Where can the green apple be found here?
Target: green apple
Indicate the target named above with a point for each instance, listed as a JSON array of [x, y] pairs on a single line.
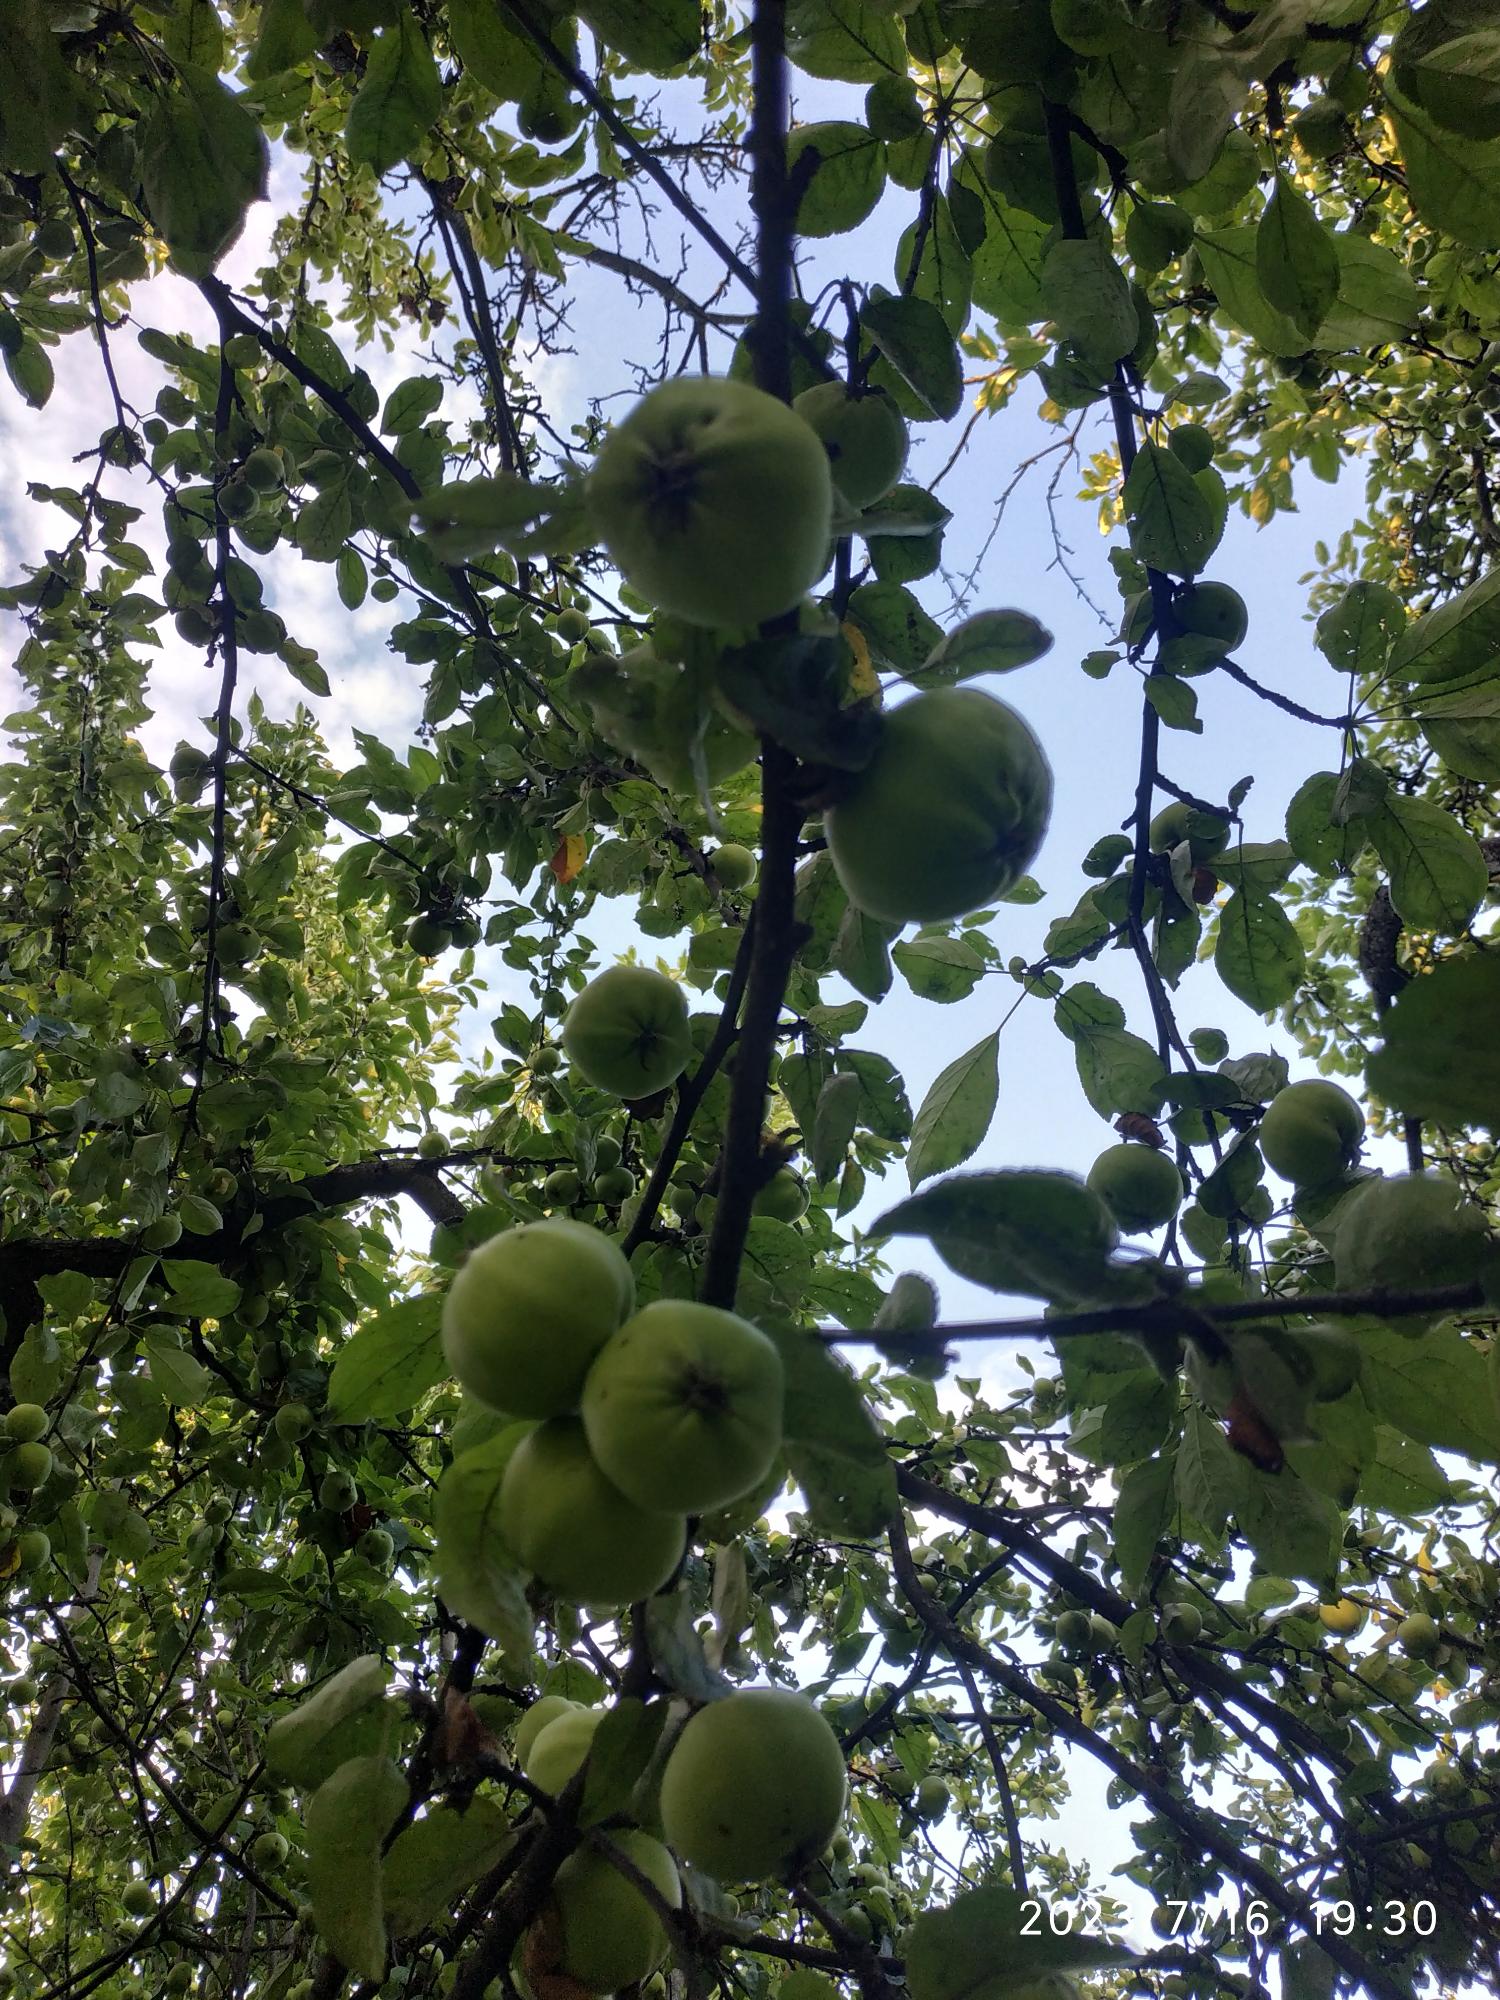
[[562, 1188], [572, 624], [683, 1408], [1206, 833], [753, 1787], [338, 1491], [1181, 1624], [714, 500], [560, 1746], [1311, 1132], [949, 813], [1419, 1636], [529, 1310], [376, 1545], [25, 1467], [1140, 1186], [609, 1935], [427, 937], [138, 1899], [574, 1530], [784, 1197], [933, 1798], [733, 865], [292, 1422], [25, 1423], [546, 1060], [614, 1185], [1343, 1619], [179, 1977], [627, 1032], [1213, 610], [1411, 1232], [33, 1549], [864, 436], [269, 1850], [263, 471], [545, 1709]]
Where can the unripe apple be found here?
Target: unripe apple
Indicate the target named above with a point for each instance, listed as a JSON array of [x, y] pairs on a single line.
[[263, 471], [545, 1709], [529, 1310], [560, 1747], [25, 1423], [338, 1491], [25, 1467], [1181, 1624], [545, 1060], [1074, 1631], [163, 1233], [1214, 610], [33, 1549], [138, 1899], [292, 1422], [1412, 1231], [1419, 1636], [754, 1786], [1206, 833], [864, 436], [1140, 1186], [614, 1185], [933, 1798], [23, 1690], [269, 1850], [576, 1532], [1311, 1132], [733, 865], [714, 500], [562, 1188], [179, 1977], [949, 813], [607, 1152], [1194, 445], [609, 1934], [572, 624], [784, 1197], [432, 1146], [627, 1032], [376, 1546], [683, 1407]]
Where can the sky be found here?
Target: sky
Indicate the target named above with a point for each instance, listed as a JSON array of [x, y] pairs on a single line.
[[1090, 728]]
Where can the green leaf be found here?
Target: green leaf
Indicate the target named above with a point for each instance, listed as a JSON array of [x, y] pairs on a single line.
[[1174, 701], [1210, 1478], [989, 642], [1296, 261], [475, 517], [1119, 1071], [433, 1861], [29, 367], [1378, 299], [286, 38], [939, 968], [508, 67], [1355, 634], [344, 1718], [1231, 266], [621, 1748], [1142, 1514], [838, 171], [1171, 524], [199, 1291], [203, 161], [942, 274], [861, 952], [1088, 297], [389, 1363], [900, 632], [1041, 1235], [1259, 955], [399, 101], [833, 1447], [41, 99], [1438, 874], [654, 35], [914, 339], [904, 556], [1454, 182], [834, 1126], [352, 578], [478, 1577], [1458, 644], [183, 1382], [1441, 1058], [844, 41], [956, 1112], [1435, 1390], [347, 1820], [987, 1946], [1312, 835], [410, 404], [1463, 726], [1293, 1529]]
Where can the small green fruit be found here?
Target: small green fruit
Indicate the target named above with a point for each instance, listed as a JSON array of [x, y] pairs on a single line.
[[933, 1798], [138, 1899], [1141, 1187], [25, 1423], [864, 436], [627, 1032], [376, 1546], [607, 1153], [1194, 445], [292, 1422], [754, 1784], [262, 470], [546, 1060], [25, 1467], [562, 1188], [1419, 1636], [179, 1977], [269, 1850], [559, 1748], [610, 1936], [1214, 611], [427, 937], [33, 1549], [1311, 1132], [614, 1185], [1181, 1624], [338, 1492], [784, 1197], [23, 1691], [733, 865], [542, 1711], [432, 1146], [576, 1532], [572, 625]]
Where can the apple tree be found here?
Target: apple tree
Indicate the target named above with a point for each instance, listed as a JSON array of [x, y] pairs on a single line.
[[491, 1501]]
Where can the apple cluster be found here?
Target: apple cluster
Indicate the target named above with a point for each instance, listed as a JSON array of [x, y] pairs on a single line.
[[752, 1789], [641, 1417]]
